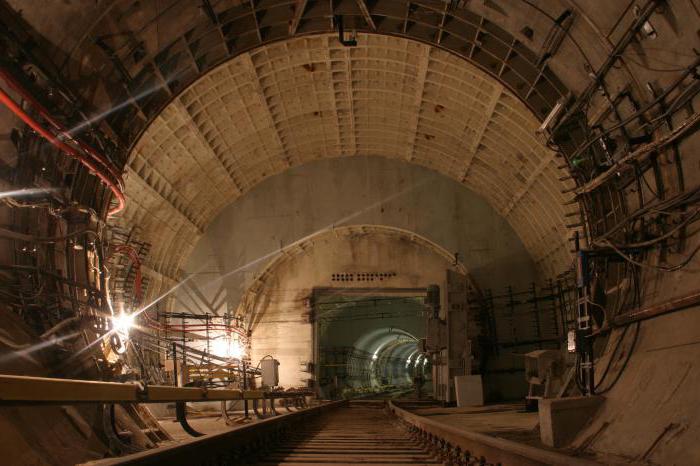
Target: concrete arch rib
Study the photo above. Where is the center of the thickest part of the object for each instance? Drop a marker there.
(256, 292)
(335, 264)
(292, 102)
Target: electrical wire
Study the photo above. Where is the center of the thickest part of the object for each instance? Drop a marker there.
(647, 67)
(6, 233)
(62, 130)
(676, 202)
(624, 364)
(671, 268)
(106, 178)
(643, 244)
(691, 69)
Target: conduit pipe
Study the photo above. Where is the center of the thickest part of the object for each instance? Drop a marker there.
(677, 304)
(626, 162)
(105, 178)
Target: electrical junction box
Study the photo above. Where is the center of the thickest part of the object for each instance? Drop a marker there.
(269, 369)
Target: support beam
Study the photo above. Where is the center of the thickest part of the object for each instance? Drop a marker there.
(443, 18)
(134, 175)
(197, 131)
(421, 74)
(255, 82)
(479, 136)
(351, 99)
(366, 14)
(528, 183)
(255, 18)
(299, 8)
(24, 390)
(656, 310)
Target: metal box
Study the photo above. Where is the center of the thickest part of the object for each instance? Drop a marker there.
(270, 372)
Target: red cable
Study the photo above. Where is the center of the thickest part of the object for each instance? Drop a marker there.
(68, 150)
(17, 87)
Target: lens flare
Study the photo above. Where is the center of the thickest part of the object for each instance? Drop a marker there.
(26, 192)
(226, 348)
(122, 323)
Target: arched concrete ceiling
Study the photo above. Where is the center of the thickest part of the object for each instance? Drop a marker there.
(294, 101)
(252, 298)
(378, 339)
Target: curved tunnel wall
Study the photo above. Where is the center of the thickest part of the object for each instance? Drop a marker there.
(336, 192)
(279, 303)
(292, 102)
(80, 23)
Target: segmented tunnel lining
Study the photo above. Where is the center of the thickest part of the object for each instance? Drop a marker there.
(361, 433)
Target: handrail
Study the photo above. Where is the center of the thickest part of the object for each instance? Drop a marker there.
(25, 390)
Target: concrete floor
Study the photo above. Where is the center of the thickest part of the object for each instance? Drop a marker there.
(509, 421)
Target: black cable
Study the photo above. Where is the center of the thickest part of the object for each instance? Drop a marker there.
(688, 71)
(564, 30)
(679, 200)
(665, 268)
(647, 67)
(579, 383)
(612, 357)
(624, 365)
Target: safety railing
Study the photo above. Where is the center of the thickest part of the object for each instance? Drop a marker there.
(25, 390)
(17, 390)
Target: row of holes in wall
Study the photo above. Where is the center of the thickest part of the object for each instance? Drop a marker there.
(361, 276)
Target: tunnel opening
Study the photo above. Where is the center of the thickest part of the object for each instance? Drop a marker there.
(368, 342)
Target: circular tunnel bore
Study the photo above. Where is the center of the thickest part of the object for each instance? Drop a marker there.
(369, 344)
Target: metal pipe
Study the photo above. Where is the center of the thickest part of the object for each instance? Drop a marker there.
(245, 387)
(175, 365)
(25, 390)
(656, 310)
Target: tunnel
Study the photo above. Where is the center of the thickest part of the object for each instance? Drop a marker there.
(349, 232)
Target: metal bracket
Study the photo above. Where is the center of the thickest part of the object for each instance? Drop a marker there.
(181, 414)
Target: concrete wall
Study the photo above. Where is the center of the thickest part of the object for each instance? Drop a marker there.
(657, 390)
(281, 326)
(316, 196)
(376, 191)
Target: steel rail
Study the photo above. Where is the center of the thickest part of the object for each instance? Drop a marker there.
(484, 448)
(25, 390)
(230, 447)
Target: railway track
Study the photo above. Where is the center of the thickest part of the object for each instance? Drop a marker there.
(340, 433)
(361, 433)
